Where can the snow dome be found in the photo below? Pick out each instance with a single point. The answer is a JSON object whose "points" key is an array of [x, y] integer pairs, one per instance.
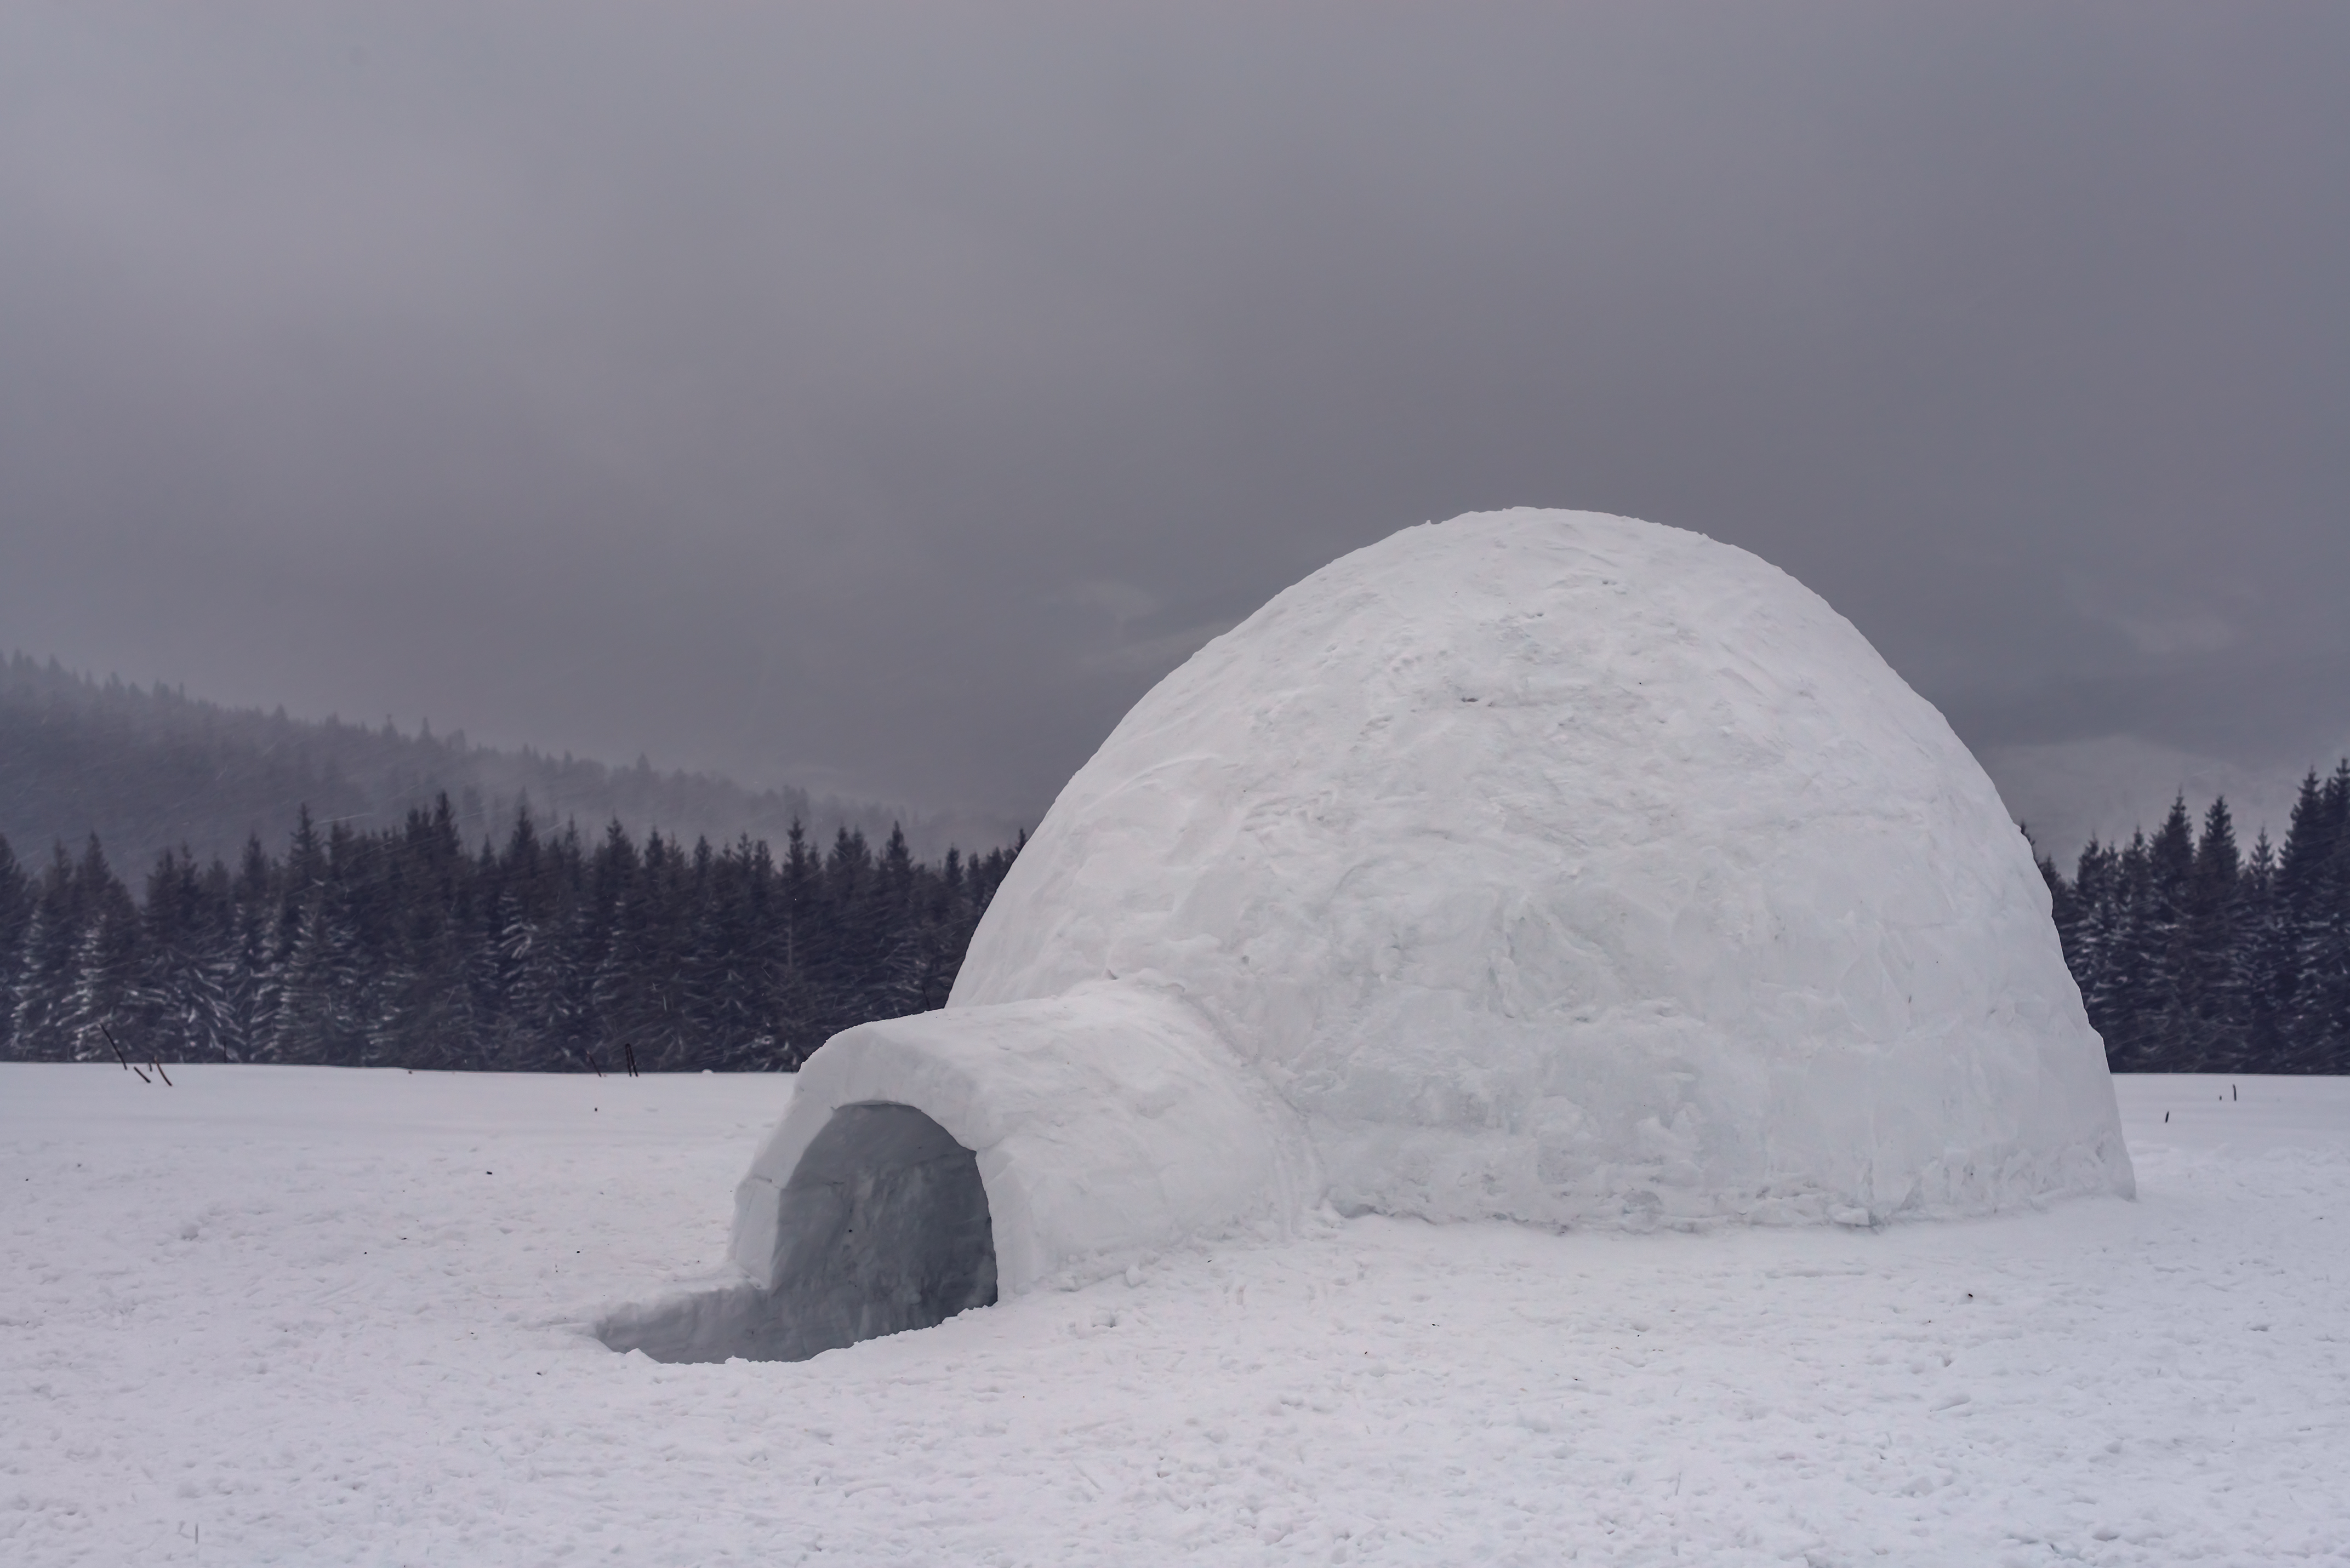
{"points": [[1536, 866]]}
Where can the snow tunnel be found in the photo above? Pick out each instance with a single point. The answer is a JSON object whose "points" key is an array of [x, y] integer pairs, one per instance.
{"points": [[882, 1228], [1102, 1126], [927, 1164]]}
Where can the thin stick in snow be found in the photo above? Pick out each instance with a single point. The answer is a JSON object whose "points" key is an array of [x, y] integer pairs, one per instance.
{"points": [[119, 1056], [157, 1062]]}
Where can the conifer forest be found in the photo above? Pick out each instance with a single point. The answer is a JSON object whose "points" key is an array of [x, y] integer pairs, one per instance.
{"points": [[549, 953], [553, 954], [2194, 956]]}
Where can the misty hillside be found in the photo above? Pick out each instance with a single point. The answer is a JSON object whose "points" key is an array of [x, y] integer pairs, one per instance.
{"points": [[149, 769]]}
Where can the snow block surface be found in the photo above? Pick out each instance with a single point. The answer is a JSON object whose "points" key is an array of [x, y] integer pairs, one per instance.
{"points": [[1562, 868], [1539, 865], [1105, 1124]]}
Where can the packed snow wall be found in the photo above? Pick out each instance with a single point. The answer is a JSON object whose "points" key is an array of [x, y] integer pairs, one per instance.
{"points": [[1538, 866], [1104, 1124]]}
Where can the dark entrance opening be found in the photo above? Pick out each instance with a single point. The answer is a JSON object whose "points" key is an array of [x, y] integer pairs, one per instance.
{"points": [[884, 1228]]}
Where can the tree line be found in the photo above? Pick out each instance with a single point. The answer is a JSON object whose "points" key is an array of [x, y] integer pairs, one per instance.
{"points": [[403, 948], [2195, 957]]}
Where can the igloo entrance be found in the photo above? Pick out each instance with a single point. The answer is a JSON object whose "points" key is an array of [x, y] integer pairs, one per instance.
{"points": [[883, 1227]]}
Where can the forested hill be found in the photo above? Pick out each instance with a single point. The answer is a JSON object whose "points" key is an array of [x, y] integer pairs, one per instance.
{"points": [[149, 769]]}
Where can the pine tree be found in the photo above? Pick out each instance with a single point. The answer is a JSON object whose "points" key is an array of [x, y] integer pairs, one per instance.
{"points": [[438, 980], [2264, 952], [547, 1002], [2167, 1037], [728, 979], [2209, 1030], [947, 927], [313, 981], [181, 1001], [2088, 923], [2308, 897], [855, 943], [106, 962], [2322, 1043], [640, 988], [904, 961], [797, 1008], [45, 967], [245, 971], [2125, 1007]]}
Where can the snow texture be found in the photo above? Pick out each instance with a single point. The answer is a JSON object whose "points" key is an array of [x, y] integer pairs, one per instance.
{"points": [[1543, 865], [1106, 1123], [333, 1316]]}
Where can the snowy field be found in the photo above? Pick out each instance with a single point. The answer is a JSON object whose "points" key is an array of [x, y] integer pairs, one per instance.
{"points": [[320, 1316]]}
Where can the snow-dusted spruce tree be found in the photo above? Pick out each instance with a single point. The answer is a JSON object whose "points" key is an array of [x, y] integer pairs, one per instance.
{"points": [[795, 1010], [2314, 888], [105, 978], [542, 1027], [2260, 948], [179, 1003], [65, 899], [43, 970], [245, 971]]}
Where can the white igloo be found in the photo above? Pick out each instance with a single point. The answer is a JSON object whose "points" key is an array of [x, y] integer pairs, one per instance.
{"points": [[1535, 866]]}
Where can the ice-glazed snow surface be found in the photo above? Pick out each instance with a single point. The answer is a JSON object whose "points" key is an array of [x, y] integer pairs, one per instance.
{"points": [[329, 1317], [1570, 868]]}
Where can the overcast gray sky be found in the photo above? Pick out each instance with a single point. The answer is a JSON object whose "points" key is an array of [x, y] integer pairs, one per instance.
{"points": [[881, 396]]}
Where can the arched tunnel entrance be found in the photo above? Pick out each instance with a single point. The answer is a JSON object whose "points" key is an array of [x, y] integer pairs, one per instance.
{"points": [[884, 1228]]}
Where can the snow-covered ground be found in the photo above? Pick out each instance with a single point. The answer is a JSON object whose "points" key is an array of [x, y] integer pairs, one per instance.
{"points": [[321, 1316]]}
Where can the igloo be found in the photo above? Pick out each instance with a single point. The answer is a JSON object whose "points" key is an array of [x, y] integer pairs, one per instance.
{"points": [[1536, 866]]}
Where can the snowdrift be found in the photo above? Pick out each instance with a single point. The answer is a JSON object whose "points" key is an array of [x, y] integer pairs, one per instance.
{"points": [[1538, 865]]}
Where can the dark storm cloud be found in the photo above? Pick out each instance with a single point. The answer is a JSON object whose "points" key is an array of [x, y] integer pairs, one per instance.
{"points": [[882, 396]]}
